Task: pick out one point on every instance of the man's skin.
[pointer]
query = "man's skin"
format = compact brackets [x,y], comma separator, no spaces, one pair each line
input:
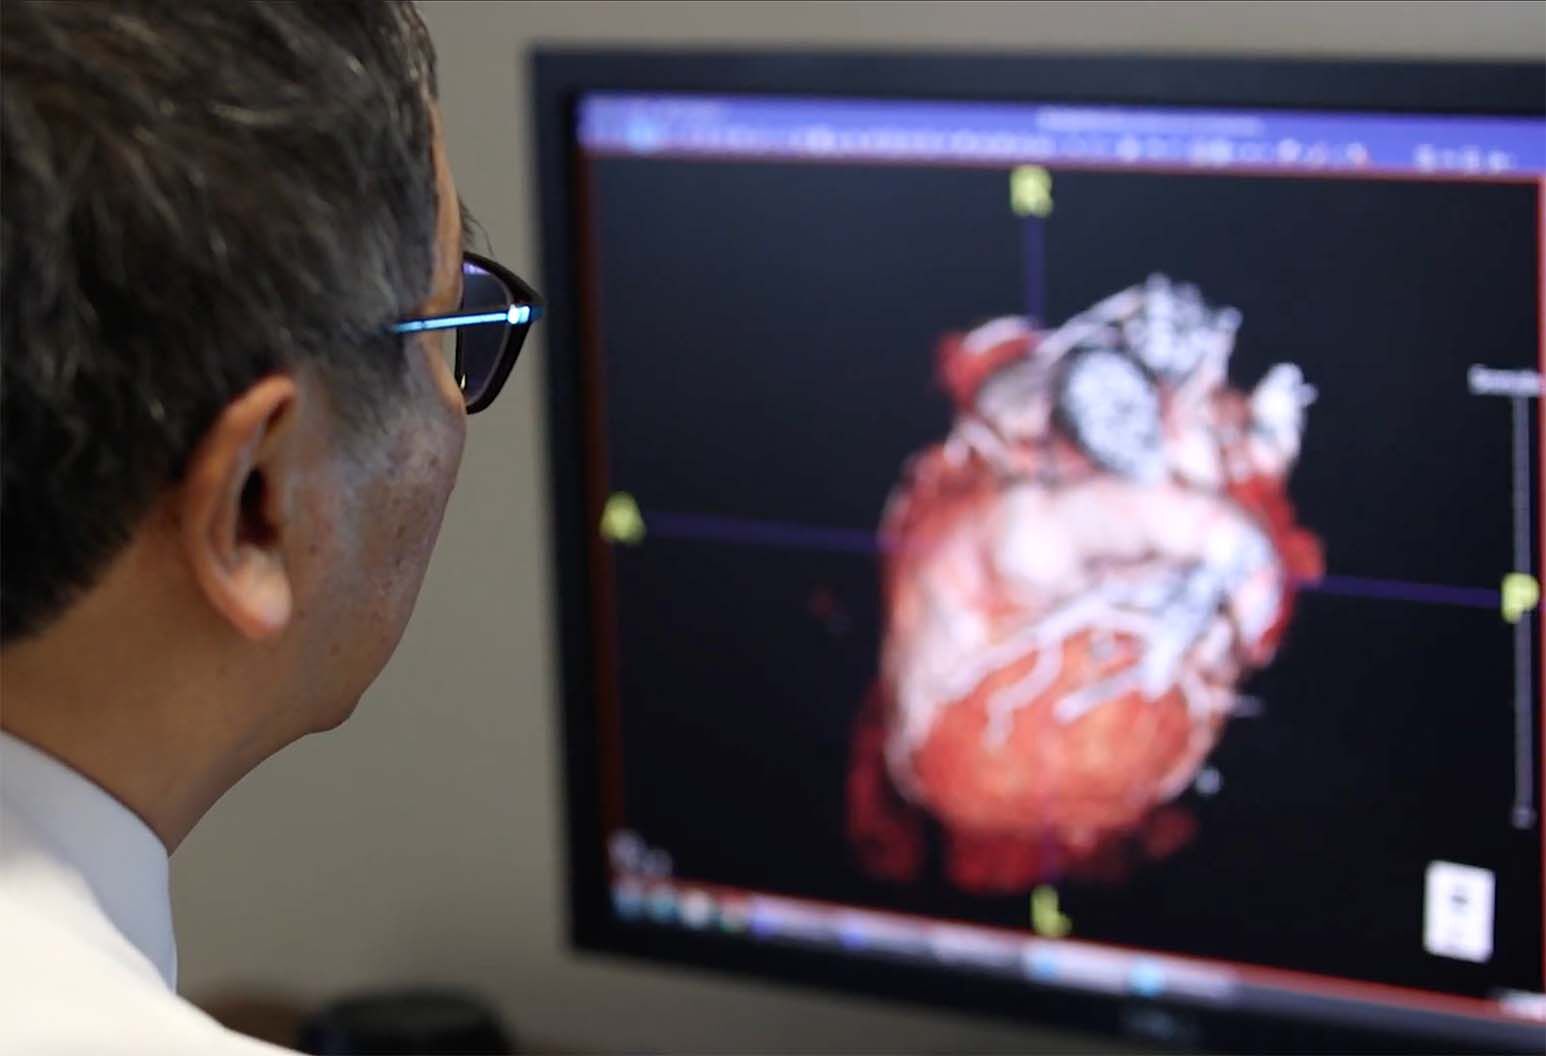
[263,592]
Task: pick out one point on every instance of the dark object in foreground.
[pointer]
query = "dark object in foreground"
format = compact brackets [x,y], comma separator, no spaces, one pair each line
[420,1021]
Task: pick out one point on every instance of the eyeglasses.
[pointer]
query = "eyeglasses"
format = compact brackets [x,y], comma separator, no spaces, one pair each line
[482,339]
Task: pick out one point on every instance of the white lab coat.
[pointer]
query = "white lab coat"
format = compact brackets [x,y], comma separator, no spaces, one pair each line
[88,961]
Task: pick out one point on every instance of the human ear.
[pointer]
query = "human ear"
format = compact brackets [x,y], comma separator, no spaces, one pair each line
[234,507]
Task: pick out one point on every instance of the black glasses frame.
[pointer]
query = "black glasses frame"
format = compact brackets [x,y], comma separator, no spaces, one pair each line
[525,308]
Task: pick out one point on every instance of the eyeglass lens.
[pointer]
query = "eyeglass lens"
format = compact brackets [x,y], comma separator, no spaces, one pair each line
[480,348]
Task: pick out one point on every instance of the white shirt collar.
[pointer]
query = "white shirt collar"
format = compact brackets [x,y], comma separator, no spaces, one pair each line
[72,821]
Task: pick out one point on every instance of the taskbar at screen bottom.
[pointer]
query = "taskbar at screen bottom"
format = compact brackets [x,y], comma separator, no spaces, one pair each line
[1508,1021]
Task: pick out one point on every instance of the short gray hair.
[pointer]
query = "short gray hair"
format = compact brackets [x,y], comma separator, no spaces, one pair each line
[196,194]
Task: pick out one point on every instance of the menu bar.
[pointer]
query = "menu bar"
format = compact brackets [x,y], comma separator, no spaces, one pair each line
[1091,967]
[888,131]
[1051,962]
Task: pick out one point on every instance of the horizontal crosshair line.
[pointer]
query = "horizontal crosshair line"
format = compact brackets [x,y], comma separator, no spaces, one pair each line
[760,533]
[1403,590]
[750,532]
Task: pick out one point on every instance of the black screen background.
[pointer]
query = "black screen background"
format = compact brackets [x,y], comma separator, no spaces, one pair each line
[767,348]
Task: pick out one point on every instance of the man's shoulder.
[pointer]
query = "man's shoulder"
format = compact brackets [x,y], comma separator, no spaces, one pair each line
[61,995]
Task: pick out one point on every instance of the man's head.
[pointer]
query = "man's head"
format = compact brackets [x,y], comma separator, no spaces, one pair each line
[212,215]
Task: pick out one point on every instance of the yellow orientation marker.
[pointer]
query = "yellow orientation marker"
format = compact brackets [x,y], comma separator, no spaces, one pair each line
[1030,191]
[621,521]
[1046,918]
[1520,594]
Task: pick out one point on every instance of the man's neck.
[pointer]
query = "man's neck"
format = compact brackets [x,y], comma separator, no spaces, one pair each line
[138,699]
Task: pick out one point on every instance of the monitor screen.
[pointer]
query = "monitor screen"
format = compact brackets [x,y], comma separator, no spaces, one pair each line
[1091,549]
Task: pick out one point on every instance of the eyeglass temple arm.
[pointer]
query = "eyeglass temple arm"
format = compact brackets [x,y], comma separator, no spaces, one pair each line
[515,315]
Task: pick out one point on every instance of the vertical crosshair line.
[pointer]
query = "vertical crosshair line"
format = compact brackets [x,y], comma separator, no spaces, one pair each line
[1524,689]
[1036,270]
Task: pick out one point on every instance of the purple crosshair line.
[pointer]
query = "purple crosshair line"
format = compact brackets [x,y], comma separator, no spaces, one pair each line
[746,531]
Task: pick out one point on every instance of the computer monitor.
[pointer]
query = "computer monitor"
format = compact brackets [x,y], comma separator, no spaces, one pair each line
[1057,536]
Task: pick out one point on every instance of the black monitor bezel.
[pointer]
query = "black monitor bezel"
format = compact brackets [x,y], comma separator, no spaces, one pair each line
[559,76]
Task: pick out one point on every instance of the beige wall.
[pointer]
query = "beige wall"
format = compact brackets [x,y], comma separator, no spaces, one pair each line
[422,840]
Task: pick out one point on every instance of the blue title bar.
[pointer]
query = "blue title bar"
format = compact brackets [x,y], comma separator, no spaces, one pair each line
[810,129]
